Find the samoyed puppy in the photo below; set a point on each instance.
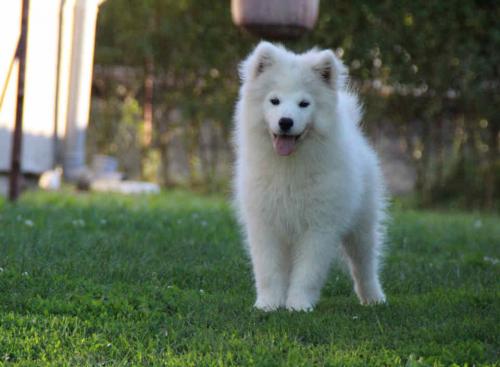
(307, 183)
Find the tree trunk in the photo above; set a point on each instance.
(148, 102)
(492, 180)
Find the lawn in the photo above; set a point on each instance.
(164, 280)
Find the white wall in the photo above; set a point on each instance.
(75, 65)
(40, 96)
(10, 20)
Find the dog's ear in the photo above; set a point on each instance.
(329, 69)
(262, 58)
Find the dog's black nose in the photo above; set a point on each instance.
(285, 124)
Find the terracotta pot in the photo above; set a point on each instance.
(276, 19)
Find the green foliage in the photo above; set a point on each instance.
(121, 135)
(430, 71)
(164, 280)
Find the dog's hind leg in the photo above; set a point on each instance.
(363, 247)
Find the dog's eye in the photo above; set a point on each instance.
(303, 104)
(275, 101)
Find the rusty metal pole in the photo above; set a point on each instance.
(15, 167)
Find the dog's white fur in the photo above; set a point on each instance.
(296, 210)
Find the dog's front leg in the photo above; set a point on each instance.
(311, 261)
(270, 260)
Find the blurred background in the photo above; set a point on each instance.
(165, 83)
(428, 74)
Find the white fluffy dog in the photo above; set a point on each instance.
(307, 182)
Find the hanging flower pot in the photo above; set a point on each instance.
(275, 19)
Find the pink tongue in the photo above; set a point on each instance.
(284, 145)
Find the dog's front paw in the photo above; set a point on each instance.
(267, 305)
(300, 303)
(371, 295)
(373, 300)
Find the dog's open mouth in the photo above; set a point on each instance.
(285, 144)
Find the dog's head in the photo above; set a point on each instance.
(291, 90)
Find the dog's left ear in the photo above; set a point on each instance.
(261, 59)
(330, 69)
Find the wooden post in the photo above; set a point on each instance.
(15, 168)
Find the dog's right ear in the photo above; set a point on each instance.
(330, 69)
(261, 59)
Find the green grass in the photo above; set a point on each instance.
(164, 280)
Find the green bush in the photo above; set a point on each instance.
(429, 71)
